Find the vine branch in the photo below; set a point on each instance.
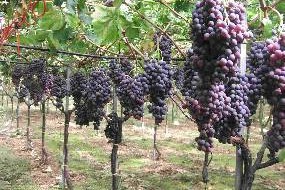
(158, 28)
(173, 11)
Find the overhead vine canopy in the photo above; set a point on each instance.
(95, 26)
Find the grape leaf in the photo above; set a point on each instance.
(280, 6)
(72, 20)
(63, 35)
(281, 155)
(117, 3)
(182, 5)
(53, 43)
(267, 27)
(52, 20)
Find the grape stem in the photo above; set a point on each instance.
(156, 152)
(187, 116)
(173, 11)
(256, 16)
(263, 8)
(207, 162)
(132, 48)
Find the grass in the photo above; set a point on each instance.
(14, 171)
(89, 157)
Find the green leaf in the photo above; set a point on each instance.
(117, 3)
(72, 20)
(40, 35)
(267, 27)
(280, 6)
(58, 2)
(81, 5)
(53, 43)
(107, 24)
(63, 35)
(27, 40)
(281, 155)
(182, 5)
(78, 46)
(105, 32)
(52, 20)
(132, 33)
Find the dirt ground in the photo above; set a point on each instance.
(175, 142)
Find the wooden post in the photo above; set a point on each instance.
(44, 158)
(67, 113)
(114, 154)
(239, 160)
(17, 116)
(29, 141)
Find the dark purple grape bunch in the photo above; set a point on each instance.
(254, 92)
(238, 117)
(130, 93)
(18, 73)
(97, 94)
(159, 76)
(165, 45)
(257, 56)
(276, 135)
(37, 67)
(113, 129)
(126, 66)
(98, 90)
(78, 83)
(47, 81)
(123, 95)
(58, 90)
(115, 72)
(272, 76)
(178, 77)
(82, 114)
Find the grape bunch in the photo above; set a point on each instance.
(78, 84)
(18, 73)
(115, 72)
(22, 93)
(165, 45)
(126, 66)
(58, 89)
(178, 77)
(130, 93)
(47, 82)
(35, 90)
(159, 76)
(37, 67)
(274, 91)
(218, 30)
(216, 94)
(96, 95)
(113, 129)
(239, 113)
